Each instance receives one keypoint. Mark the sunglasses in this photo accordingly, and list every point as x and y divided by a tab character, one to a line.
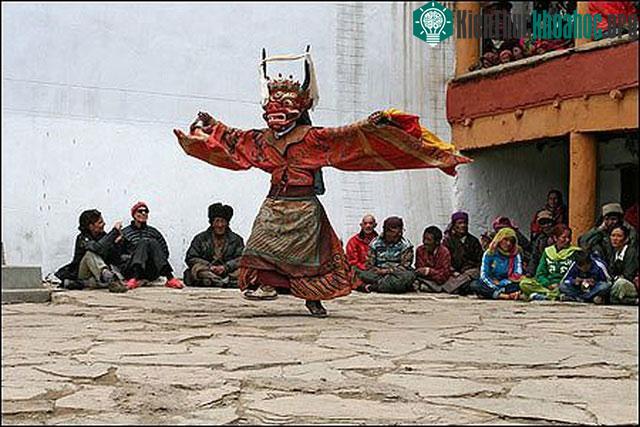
142	211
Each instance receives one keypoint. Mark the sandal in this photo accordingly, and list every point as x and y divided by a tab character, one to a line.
263	293
316	308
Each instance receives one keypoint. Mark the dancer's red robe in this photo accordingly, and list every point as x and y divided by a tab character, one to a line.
291	235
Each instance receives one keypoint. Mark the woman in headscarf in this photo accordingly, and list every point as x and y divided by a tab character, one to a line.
501	269
504	222
554	264
555	205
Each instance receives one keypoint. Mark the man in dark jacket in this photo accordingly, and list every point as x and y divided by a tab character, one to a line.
214	254
545	221
96	254
146	254
466	254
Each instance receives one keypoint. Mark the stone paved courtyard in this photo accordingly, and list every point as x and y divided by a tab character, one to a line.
196	356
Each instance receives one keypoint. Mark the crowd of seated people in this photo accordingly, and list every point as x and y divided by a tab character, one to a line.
502	264
137	255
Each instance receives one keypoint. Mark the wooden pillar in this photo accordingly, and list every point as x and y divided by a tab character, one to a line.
467	50
583	8
583	159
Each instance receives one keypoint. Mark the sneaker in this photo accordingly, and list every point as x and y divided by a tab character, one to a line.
264	292
316	308
116	286
53	279
133	283
537	297
174	283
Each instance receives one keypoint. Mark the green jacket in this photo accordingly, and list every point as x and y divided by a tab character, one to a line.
554	265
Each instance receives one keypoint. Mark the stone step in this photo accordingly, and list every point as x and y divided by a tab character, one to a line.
13	296
21	277
23	284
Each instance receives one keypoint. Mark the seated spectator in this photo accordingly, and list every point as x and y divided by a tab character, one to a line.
543	239
587	280
597	239
501	269
96	255
214	254
433	262
466	254
388	267
554	264
146	254
623	267
554	206
504	222
358	245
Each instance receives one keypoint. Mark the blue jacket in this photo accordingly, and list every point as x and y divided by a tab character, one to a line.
598	272
495	266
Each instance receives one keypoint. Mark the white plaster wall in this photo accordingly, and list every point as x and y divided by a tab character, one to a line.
511	181
90	93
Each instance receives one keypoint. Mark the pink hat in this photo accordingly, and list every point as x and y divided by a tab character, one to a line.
502	222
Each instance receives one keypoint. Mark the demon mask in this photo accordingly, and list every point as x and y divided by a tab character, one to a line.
286	101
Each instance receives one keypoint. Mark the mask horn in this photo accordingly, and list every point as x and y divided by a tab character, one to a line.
264	63
307	72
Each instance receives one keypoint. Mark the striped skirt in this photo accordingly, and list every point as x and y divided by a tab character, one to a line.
292	238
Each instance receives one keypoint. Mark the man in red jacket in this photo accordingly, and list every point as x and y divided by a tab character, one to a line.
358	245
433	262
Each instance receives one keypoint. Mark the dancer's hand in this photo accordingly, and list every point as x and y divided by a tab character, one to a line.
198	135
204	121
